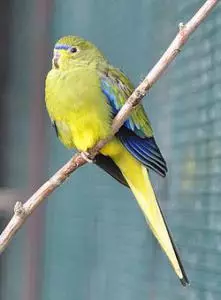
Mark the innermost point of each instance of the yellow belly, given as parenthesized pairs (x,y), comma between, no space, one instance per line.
(86,130)
(77,105)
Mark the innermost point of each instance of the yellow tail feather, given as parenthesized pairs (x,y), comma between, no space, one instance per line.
(139,182)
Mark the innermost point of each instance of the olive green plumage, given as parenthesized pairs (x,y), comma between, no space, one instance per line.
(83,94)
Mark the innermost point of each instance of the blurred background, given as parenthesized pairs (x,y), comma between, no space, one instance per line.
(89,240)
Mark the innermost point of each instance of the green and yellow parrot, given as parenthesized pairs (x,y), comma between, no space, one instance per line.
(83,94)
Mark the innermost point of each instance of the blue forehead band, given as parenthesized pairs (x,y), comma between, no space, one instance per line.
(62,47)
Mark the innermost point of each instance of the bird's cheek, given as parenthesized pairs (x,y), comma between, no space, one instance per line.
(56,60)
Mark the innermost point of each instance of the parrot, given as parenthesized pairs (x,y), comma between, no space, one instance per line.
(83,93)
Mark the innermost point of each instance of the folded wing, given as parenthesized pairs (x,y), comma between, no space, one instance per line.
(136,134)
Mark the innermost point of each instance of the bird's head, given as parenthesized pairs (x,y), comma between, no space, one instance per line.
(71,51)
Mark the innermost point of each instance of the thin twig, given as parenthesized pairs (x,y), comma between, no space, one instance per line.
(22,211)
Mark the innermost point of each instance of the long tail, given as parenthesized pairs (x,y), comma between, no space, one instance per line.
(139,182)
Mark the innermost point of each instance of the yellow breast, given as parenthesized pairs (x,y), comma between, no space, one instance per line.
(76,103)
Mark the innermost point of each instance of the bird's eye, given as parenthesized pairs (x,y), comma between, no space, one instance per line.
(73,49)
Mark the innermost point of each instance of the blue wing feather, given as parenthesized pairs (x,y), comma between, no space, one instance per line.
(110,96)
(112,99)
(141,147)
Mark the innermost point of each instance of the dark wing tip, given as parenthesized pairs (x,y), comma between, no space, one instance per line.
(143,149)
(108,165)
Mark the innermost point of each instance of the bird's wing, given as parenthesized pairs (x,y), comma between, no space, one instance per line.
(136,134)
(108,165)
(117,88)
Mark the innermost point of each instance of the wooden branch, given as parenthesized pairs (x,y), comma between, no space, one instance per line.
(22,211)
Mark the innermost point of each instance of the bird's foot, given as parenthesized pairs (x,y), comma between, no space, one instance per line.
(87,156)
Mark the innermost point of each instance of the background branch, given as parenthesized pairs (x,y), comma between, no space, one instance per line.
(22,211)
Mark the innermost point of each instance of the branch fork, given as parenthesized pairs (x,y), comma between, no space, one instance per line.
(19,210)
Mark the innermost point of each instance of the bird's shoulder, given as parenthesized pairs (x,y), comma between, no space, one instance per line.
(117,87)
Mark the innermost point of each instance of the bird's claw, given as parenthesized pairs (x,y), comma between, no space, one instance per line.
(86,155)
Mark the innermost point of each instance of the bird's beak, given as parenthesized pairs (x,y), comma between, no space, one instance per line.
(56,59)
